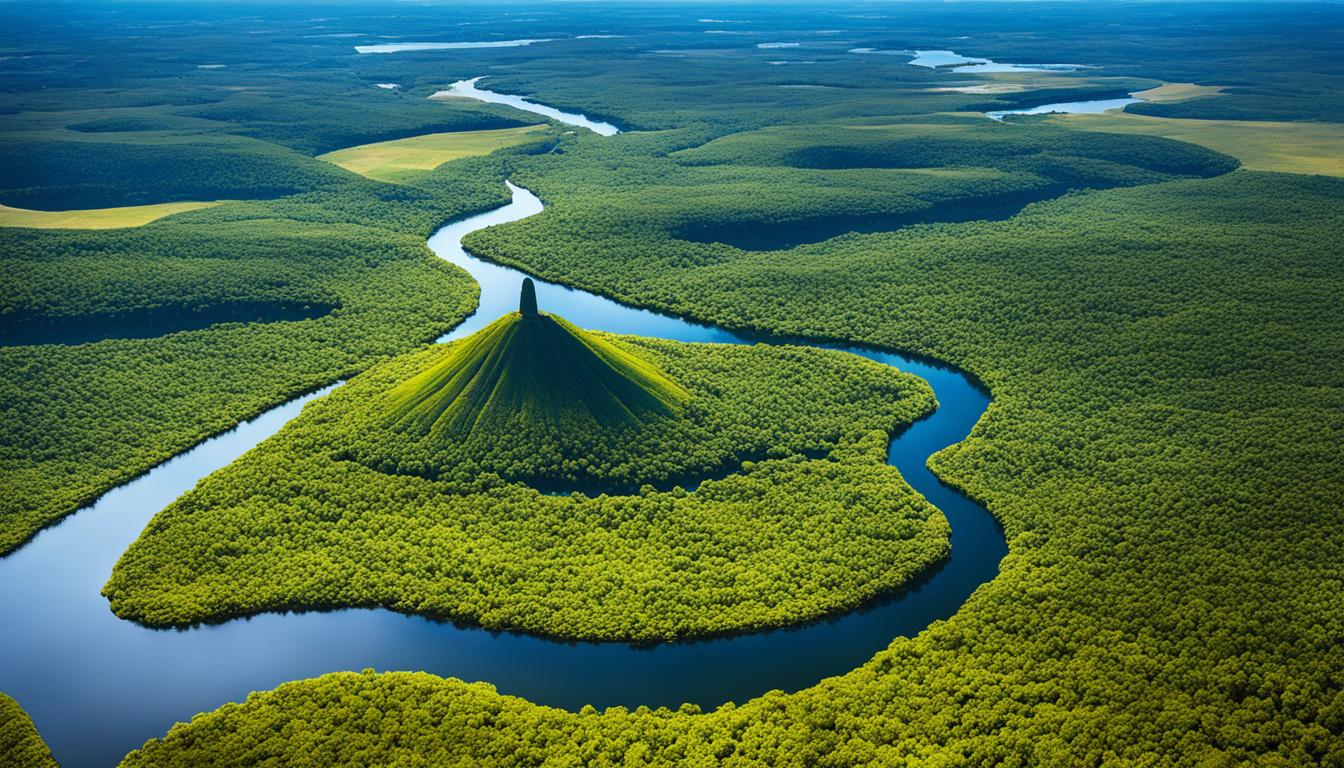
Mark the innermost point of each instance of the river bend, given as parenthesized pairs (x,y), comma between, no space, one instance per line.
(98,687)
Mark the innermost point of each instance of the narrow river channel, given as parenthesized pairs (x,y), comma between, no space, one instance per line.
(98,686)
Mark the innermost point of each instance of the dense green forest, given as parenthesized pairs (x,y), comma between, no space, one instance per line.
(62,175)
(1161,450)
(764,190)
(1161,334)
(339,296)
(812,521)
(20,744)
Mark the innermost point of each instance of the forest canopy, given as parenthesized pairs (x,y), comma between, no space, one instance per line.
(1160,330)
(803,518)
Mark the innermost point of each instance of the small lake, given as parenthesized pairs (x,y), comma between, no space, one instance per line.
(467,89)
(970,65)
(1094,107)
(403,47)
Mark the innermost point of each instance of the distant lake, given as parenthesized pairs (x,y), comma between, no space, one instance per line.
(400,47)
(881,52)
(1094,107)
(970,65)
(933,59)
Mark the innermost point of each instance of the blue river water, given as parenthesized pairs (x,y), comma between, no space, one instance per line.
(98,686)
(466,89)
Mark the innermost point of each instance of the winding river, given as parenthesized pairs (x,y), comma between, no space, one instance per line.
(98,686)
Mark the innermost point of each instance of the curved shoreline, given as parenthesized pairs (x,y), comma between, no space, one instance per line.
(466,89)
(76,665)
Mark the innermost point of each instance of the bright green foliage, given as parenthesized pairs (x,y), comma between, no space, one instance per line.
(1162,449)
(531,367)
(537,400)
(785,539)
(530,397)
(20,744)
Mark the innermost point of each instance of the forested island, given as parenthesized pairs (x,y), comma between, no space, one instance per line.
(792,512)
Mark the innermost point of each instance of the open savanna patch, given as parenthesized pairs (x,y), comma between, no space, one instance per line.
(96,218)
(1169,93)
(400,159)
(1260,145)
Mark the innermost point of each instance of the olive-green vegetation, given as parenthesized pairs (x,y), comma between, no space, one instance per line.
(20,744)
(811,521)
(1173,92)
(400,159)
(1260,145)
(95,218)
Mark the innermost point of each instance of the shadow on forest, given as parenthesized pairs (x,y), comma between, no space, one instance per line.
(26,330)
(774,236)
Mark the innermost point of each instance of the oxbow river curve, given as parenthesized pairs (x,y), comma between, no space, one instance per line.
(98,686)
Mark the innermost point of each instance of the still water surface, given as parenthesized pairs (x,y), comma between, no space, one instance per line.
(1093,107)
(972,65)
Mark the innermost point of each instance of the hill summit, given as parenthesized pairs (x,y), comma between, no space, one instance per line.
(532,367)
(532,399)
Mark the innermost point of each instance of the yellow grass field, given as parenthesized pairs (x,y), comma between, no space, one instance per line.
(398,160)
(95,218)
(1173,92)
(1313,148)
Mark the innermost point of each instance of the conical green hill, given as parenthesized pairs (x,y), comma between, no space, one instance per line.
(530,367)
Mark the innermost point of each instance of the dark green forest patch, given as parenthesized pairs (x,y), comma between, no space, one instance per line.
(765,233)
(1030,147)
(26,330)
(789,186)
(57,175)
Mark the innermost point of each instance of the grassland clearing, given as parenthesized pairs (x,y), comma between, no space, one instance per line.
(401,159)
(1260,145)
(96,218)
(1168,93)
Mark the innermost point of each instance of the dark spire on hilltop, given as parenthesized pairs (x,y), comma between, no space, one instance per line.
(527,301)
